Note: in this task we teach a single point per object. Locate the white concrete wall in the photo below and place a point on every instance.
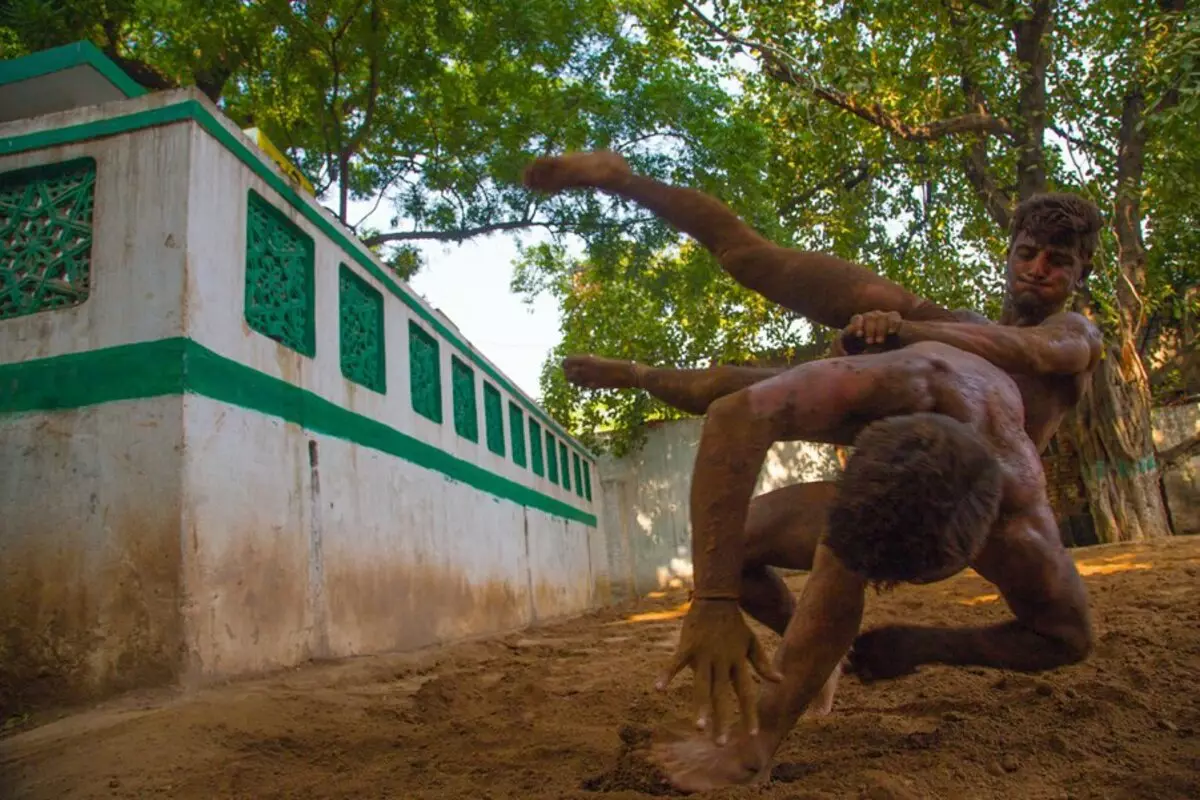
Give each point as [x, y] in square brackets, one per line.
[1181, 485]
[89, 550]
[89, 533]
[646, 496]
[244, 535]
[389, 555]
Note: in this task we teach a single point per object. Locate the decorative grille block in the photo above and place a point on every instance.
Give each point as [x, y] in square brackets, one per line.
[466, 412]
[587, 481]
[46, 237]
[493, 417]
[516, 432]
[425, 377]
[279, 277]
[362, 341]
[578, 474]
[551, 459]
[535, 449]
[565, 463]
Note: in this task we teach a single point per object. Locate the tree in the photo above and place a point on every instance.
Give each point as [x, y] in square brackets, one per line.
[902, 135]
[431, 107]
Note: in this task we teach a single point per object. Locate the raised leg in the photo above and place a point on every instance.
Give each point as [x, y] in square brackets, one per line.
[690, 390]
[820, 287]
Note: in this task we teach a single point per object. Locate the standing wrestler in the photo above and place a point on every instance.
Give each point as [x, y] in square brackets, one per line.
[1049, 352]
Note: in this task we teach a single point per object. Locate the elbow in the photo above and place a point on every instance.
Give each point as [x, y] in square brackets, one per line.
[1057, 363]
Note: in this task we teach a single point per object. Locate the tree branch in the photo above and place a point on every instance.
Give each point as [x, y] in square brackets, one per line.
[1177, 454]
[372, 86]
[978, 168]
[1033, 54]
[775, 63]
[1086, 144]
[458, 235]
[140, 71]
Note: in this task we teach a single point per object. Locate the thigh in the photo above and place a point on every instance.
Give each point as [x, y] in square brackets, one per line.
[783, 527]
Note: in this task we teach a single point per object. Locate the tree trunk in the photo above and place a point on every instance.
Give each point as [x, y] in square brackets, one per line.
[1110, 430]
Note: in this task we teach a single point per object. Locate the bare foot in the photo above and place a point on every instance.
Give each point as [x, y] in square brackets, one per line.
[822, 704]
[593, 372]
[599, 169]
[697, 764]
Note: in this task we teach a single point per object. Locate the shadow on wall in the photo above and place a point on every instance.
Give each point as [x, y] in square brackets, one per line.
[646, 497]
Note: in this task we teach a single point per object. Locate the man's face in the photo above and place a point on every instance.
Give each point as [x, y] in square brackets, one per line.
[1041, 276]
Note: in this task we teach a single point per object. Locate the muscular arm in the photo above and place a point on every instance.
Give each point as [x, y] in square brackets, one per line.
[811, 402]
[728, 460]
[1065, 344]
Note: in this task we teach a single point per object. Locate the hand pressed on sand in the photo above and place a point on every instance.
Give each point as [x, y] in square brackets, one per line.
[720, 648]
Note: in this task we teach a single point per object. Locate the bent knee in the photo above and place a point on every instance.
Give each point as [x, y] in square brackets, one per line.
[1075, 641]
[1078, 644]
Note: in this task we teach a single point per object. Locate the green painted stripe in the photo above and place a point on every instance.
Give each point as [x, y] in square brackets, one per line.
[125, 372]
[57, 59]
[173, 366]
[192, 109]
[56, 137]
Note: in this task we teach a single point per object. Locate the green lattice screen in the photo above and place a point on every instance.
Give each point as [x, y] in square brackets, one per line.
[424, 374]
[46, 236]
[565, 463]
[279, 277]
[587, 482]
[466, 412]
[361, 335]
[516, 432]
[535, 449]
[551, 459]
[493, 418]
[578, 474]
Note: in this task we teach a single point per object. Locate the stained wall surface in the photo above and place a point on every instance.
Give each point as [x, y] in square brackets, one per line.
[232, 441]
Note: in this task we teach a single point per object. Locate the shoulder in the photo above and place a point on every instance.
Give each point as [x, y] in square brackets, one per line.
[1076, 324]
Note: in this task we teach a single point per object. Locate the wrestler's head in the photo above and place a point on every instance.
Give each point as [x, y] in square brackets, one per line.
[1053, 238]
[916, 502]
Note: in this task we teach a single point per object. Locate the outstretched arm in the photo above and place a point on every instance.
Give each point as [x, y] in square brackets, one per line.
[1065, 344]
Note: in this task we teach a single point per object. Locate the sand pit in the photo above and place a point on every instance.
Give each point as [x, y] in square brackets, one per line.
[560, 712]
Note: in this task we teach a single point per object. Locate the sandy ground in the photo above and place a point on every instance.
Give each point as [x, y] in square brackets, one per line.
[545, 713]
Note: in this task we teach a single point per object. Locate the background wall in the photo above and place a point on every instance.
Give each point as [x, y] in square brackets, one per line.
[646, 502]
[1181, 485]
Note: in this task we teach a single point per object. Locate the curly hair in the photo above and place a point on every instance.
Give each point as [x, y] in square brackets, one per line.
[918, 497]
[1063, 219]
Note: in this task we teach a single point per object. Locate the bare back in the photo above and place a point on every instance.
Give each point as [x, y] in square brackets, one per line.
[1024, 555]
[1046, 398]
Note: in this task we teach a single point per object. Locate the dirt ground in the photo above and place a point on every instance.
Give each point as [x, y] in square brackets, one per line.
[560, 712]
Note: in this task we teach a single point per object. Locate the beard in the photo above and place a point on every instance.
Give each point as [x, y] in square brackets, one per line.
[1028, 301]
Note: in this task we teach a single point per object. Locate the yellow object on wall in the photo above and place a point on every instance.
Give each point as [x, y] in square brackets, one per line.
[289, 169]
